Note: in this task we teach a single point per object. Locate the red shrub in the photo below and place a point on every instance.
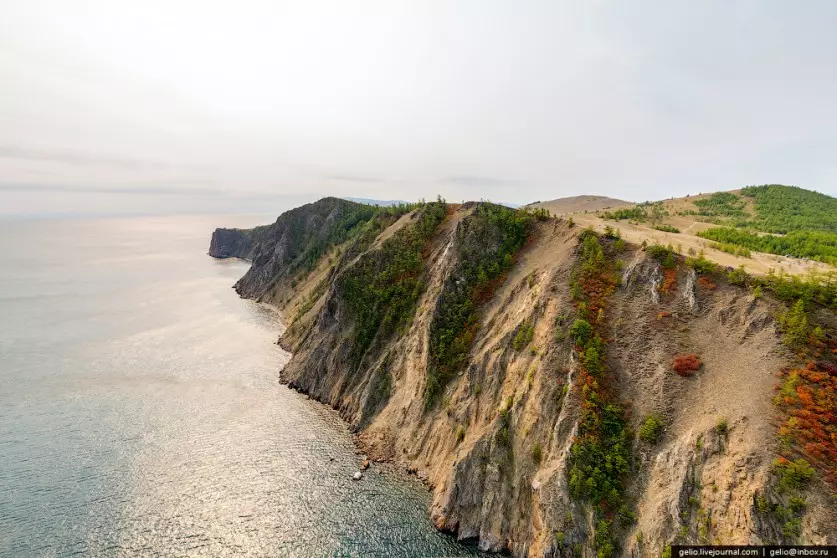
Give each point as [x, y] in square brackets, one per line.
[669, 280]
[663, 314]
[808, 399]
[706, 283]
[686, 365]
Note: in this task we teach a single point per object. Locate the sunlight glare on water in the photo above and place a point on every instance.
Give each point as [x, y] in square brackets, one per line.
[141, 412]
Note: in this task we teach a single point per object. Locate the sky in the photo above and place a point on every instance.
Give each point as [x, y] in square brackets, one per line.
[161, 106]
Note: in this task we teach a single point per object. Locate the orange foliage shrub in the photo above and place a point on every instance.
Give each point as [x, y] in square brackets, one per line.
[669, 280]
[686, 365]
[808, 398]
[663, 314]
[706, 283]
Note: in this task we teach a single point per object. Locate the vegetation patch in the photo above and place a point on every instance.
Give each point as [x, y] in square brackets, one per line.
[816, 245]
[808, 399]
[667, 228]
[781, 209]
[537, 453]
[488, 241]
[720, 204]
[706, 283]
[686, 365]
[663, 254]
[651, 429]
[524, 335]
[636, 213]
[350, 219]
[669, 280]
[382, 288]
[600, 455]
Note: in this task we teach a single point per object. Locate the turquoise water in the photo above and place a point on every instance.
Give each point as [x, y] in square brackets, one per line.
[141, 412]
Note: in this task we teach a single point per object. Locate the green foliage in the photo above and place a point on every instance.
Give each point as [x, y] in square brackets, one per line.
[594, 359]
[537, 453]
[612, 233]
[721, 204]
[381, 289]
[603, 540]
[600, 454]
[740, 251]
[817, 245]
[659, 252]
[738, 276]
[343, 220]
[701, 264]
[581, 331]
[539, 213]
[524, 336]
[488, 241]
[757, 292]
[795, 325]
[793, 475]
[814, 288]
[636, 213]
[667, 228]
[651, 429]
[722, 427]
[797, 504]
[781, 209]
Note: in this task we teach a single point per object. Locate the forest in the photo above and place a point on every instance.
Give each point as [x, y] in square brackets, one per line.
[817, 245]
[781, 209]
[601, 453]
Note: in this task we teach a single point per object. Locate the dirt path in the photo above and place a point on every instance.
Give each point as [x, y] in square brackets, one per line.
[759, 264]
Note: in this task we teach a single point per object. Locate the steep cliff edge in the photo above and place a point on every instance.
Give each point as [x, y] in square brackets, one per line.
[453, 339]
[232, 243]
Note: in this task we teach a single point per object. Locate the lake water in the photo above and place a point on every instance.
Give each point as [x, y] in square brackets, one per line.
[141, 412]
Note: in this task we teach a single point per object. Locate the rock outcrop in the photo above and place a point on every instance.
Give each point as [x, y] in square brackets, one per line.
[232, 243]
[494, 435]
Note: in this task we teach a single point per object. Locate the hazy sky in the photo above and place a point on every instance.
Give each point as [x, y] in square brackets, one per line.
[111, 105]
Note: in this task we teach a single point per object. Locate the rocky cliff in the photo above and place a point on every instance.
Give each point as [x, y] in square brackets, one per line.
[232, 243]
[563, 393]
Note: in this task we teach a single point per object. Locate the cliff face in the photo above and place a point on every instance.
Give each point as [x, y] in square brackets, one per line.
[231, 243]
[297, 241]
[449, 338]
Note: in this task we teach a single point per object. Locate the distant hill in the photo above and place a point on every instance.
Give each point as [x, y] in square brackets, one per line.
[369, 201]
[574, 204]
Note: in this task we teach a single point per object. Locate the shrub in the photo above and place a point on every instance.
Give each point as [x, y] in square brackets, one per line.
[797, 504]
[524, 336]
[722, 427]
[706, 283]
[612, 233]
[738, 276]
[667, 228]
[651, 429]
[686, 365]
[793, 474]
[537, 453]
[795, 324]
[581, 331]
[669, 279]
[659, 252]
